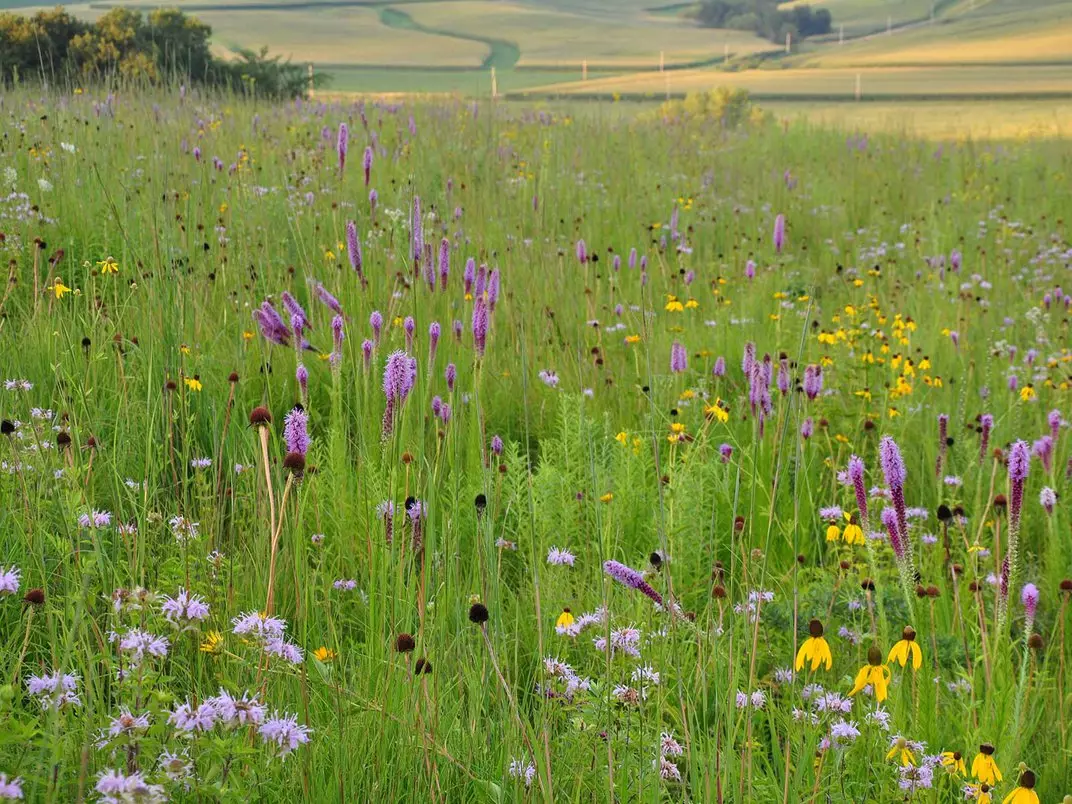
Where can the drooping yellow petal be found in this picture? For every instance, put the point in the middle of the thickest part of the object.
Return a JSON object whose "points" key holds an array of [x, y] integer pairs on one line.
{"points": [[832, 533], [803, 653], [917, 655], [1021, 795], [880, 683], [899, 653], [861, 680]]}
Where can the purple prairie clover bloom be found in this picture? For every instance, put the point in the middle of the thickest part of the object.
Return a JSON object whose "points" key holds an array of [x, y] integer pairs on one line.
{"points": [[376, 322], [301, 374], [496, 445], [750, 269], [367, 164], [434, 331], [986, 424], [480, 326], [893, 469], [284, 733], [813, 381], [343, 145], [725, 452], [451, 376], [416, 233], [444, 262], [779, 233], [679, 359], [616, 263], [410, 327], [296, 431], [1043, 450], [1047, 499], [628, 576], [353, 249], [197, 154], [1019, 465], [719, 369], [493, 289], [366, 352], [469, 276], [582, 252]]}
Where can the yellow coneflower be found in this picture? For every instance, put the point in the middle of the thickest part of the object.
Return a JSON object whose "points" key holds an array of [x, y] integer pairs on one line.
{"points": [[193, 383], [902, 751], [833, 533], [815, 648], [1025, 790], [108, 266], [1027, 393], [59, 288], [632, 339], [607, 497], [853, 533], [565, 619], [213, 642], [953, 762], [622, 438], [324, 654], [984, 768], [907, 648], [874, 673]]}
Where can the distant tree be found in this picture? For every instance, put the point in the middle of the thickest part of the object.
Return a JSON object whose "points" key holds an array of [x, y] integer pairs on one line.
{"points": [[764, 17]]}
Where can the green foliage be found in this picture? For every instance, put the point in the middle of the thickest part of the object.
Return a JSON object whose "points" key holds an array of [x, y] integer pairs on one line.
{"points": [[765, 18], [124, 45], [728, 107]]}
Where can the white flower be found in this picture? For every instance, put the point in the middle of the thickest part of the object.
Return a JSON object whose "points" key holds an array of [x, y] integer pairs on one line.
{"points": [[45, 185]]}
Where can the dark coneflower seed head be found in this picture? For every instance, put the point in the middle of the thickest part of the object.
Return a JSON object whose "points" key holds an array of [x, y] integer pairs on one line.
{"points": [[481, 502], [656, 559], [987, 749], [932, 591], [7, 427], [867, 585], [921, 590], [91, 442], [908, 634], [1035, 642], [738, 524], [478, 613], [86, 343], [718, 592], [1000, 502], [944, 513], [1066, 585], [874, 656], [34, 597], [422, 666], [294, 462], [815, 628], [232, 377], [407, 458], [63, 439], [260, 416], [170, 385], [1027, 779], [404, 643], [844, 565]]}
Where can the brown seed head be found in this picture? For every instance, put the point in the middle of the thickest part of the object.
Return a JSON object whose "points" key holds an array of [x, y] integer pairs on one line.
{"points": [[404, 643], [260, 417], [815, 628], [874, 656], [34, 597]]}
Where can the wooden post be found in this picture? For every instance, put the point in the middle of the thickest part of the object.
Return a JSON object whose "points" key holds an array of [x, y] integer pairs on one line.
{"points": [[494, 84], [584, 70], [788, 41], [311, 78]]}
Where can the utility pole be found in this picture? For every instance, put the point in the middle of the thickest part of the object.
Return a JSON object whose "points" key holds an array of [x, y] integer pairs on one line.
{"points": [[788, 41], [584, 70], [494, 84]]}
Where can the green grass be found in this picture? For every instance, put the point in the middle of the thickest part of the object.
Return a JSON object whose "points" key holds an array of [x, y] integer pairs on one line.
{"points": [[348, 79], [622, 457]]}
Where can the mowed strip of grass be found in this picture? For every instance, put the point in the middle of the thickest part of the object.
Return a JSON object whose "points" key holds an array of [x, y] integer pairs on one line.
{"points": [[550, 37], [899, 82]]}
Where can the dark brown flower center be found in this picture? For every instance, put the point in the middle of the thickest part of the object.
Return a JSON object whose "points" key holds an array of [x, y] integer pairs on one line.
{"points": [[815, 628]]}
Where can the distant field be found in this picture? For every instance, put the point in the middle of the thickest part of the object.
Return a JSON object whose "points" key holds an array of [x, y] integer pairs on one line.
{"points": [[903, 82], [553, 38], [477, 83]]}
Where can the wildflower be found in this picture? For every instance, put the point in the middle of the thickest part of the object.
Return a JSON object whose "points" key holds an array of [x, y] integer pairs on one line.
{"points": [[127, 723], [779, 233], [10, 789], [631, 578], [843, 733], [518, 769], [212, 643], [285, 732], [244, 711], [1029, 596], [116, 788], [978, 792], [679, 360], [606, 498], [1024, 793], [54, 691], [668, 771], [984, 768], [564, 622], [59, 288], [184, 608], [853, 533], [138, 643], [9, 580], [815, 648], [193, 383], [913, 778], [905, 649], [668, 746], [175, 766], [953, 762], [108, 266], [259, 626], [558, 557], [880, 717], [1048, 499], [875, 674], [902, 750], [188, 719]]}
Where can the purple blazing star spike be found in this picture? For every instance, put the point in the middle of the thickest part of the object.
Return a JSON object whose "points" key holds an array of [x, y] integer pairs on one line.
{"points": [[327, 299], [1054, 420], [457, 327], [301, 374], [1003, 583], [750, 269], [748, 359], [631, 578], [1029, 596], [493, 290], [783, 376], [813, 381], [889, 520], [416, 233], [373, 197], [433, 341], [856, 476], [444, 262], [582, 252], [469, 276], [616, 263], [496, 445], [1048, 499], [806, 429], [943, 435], [986, 424], [366, 352], [337, 335], [437, 403], [1019, 466], [725, 452], [295, 310], [679, 359], [955, 260], [779, 233], [271, 325], [410, 326], [893, 469], [481, 281], [719, 369], [451, 376], [632, 258], [1043, 450], [399, 375], [343, 145], [386, 511], [296, 431], [353, 250], [429, 268], [376, 322], [367, 164], [480, 326]]}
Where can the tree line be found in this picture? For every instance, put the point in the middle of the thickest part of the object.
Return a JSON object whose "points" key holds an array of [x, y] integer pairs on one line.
{"points": [[765, 18], [165, 46]]}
